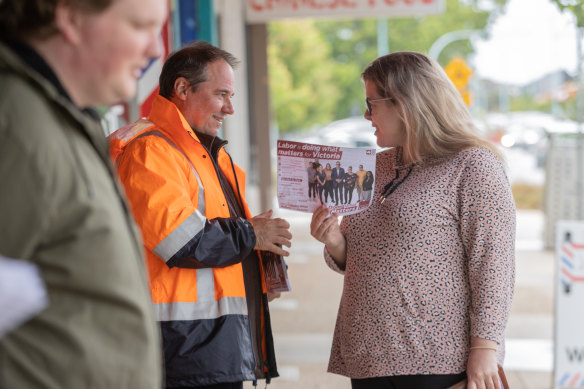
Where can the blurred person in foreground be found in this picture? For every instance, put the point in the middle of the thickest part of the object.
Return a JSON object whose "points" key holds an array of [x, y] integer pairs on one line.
{"points": [[201, 242], [429, 266], [60, 206]]}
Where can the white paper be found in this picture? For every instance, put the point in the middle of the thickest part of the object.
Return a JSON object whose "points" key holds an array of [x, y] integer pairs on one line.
{"points": [[22, 293], [294, 159]]}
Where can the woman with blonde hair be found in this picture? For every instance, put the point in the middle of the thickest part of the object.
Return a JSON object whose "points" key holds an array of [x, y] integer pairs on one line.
{"points": [[429, 267]]}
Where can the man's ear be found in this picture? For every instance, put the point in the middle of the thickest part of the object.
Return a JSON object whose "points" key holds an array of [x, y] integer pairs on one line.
{"points": [[181, 87], [69, 20]]}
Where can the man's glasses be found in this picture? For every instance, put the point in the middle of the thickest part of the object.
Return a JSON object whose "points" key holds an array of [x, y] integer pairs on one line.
{"points": [[368, 103]]}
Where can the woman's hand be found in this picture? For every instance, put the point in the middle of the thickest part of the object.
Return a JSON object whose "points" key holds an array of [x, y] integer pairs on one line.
{"points": [[325, 228], [481, 370]]}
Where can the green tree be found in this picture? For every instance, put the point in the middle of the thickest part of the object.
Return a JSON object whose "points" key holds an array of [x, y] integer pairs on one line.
{"points": [[576, 7], [304, 56], [302, 85]]}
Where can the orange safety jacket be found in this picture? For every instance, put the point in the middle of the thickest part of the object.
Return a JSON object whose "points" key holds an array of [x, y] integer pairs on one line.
{"points": [[194, 249]]}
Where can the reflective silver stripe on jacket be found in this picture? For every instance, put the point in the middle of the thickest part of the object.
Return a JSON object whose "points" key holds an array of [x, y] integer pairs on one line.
{"points": [[201, 310], [180, 236], [192, 225], [206, 307]]}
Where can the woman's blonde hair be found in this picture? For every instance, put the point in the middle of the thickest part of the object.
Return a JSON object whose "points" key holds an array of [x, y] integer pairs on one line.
{"points": [[436, 120]]}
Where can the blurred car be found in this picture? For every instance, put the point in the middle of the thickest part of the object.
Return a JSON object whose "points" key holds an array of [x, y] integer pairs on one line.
{"points": [[351, 132]]}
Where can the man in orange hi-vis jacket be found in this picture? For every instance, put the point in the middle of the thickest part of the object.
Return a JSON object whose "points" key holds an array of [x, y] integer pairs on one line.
{"points": [[202, 244]]}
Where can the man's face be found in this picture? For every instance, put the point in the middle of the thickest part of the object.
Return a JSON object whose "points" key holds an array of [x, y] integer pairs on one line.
{"points": [[206, 108], [113, 47], [338, 165]]}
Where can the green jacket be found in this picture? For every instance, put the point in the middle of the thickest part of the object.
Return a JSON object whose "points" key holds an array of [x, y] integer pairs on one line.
{"points": [[61, 208]]}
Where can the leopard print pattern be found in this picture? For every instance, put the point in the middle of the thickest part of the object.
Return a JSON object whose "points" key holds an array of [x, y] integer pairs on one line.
{"points": [[427, 269]]}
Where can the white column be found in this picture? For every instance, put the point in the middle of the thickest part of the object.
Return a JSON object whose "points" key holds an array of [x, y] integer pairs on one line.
{"points": [[231, 26]]}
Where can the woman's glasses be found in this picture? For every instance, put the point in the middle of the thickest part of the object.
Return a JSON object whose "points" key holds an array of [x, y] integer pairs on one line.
{"points": [[368, 102]]}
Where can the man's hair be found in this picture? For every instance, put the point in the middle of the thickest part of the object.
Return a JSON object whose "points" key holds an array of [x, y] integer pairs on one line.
{"points": [[437, 123], [191, 63], [36, 18]]}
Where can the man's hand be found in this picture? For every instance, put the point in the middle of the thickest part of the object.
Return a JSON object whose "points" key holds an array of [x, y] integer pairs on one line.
{"points": [[271, 234]]}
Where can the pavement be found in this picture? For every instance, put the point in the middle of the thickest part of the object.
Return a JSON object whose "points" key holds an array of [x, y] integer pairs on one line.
{"points": [[303, 319]]}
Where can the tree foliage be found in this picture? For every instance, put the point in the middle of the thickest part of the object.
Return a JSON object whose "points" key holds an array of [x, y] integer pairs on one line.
{"points": [[302, 84], [576, 7], [314, 66]]}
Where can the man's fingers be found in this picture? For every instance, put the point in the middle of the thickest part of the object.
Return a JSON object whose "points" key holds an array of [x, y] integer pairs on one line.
{"points": [[272, 232], [265, 215], [282, 231], [277, 250], [280, 240], [285, 242]]}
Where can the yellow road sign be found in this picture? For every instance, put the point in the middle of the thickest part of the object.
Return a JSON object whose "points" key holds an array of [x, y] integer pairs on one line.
{"points": [[459, 72]]}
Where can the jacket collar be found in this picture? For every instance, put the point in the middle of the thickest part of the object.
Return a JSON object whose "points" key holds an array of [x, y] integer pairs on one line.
{"points": [[165, 114], [87, 120], [35, 62], [29, 56]]}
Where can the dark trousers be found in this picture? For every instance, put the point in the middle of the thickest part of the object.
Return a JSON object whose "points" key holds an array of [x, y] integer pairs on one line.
{"points": [[328, 190], [227, 385], [435, 381], [348, 194], [312, 189], [339, 193]]}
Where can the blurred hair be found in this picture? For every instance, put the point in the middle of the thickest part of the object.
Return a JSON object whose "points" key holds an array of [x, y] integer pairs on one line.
{"points": [[436, 120], [36, 18], [191, 63]]}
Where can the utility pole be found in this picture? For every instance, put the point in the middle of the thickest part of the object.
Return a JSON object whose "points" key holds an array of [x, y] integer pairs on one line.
{"points": [[382, 37], [580, 136]]}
